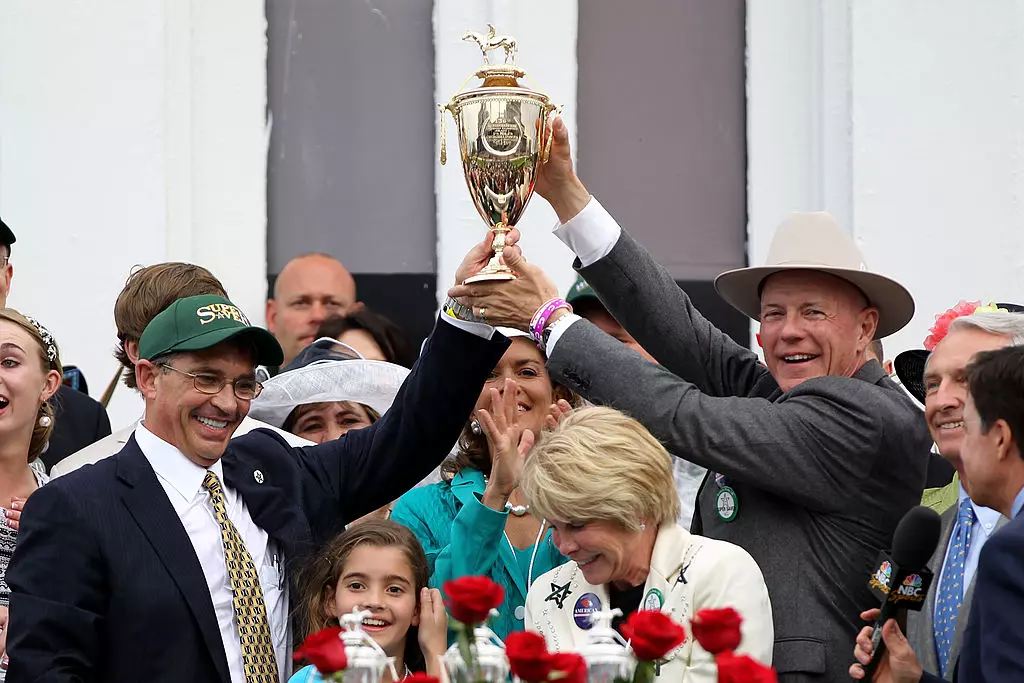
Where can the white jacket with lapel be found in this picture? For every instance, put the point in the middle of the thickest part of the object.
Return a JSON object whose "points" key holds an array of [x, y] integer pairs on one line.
{"points": [[688, 573]]}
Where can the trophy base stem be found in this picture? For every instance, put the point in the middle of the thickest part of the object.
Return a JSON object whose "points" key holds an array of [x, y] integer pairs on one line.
{"points": [[485, 276]]}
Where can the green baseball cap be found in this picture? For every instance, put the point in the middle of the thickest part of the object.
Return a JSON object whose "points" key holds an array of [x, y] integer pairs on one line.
{"points": [[580, 289], [200, 322]]}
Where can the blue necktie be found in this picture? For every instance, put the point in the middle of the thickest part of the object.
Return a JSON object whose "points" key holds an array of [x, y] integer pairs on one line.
{"points": [[951, 592]]}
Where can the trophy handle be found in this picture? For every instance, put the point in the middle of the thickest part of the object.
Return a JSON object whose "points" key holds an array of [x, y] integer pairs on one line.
{"points": [[551, 109], [444, 130]]}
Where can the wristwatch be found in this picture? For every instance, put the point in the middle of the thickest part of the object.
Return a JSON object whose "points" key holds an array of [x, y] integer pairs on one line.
{"points": [[456, 309]]}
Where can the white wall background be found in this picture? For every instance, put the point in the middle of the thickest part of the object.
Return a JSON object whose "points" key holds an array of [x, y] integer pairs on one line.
{"points": [[131, 132], [905, 119], [545, 32], [135, 132]]}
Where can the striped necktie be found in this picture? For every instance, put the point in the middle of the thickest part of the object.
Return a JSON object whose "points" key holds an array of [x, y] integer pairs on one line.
{"points": [[951, 592], [258, 660]]}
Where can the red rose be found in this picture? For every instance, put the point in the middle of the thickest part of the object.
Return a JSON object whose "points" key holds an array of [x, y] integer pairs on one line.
{"points": [[568, 667], [717, 630], [470, 599], [324, 650], [420, 677], [652, 634], [528, 656], [733, 668]]}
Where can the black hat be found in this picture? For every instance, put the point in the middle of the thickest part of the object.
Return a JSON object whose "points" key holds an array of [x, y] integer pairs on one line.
{"points": [[909, 365], [6, 236]]}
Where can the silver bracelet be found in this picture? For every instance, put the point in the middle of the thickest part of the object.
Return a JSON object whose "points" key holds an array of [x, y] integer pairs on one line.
{"points": [[456, 309]]}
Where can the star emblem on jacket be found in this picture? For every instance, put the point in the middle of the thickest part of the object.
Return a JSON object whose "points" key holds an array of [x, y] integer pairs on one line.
{"points": [[558, 594]]}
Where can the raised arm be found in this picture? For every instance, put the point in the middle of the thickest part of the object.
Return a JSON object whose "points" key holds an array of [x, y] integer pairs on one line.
{"points": [[370, 467], [646, 300], [57, 600], [806, 448]]}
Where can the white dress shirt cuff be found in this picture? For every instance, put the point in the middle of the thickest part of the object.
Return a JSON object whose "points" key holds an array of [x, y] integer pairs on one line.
{"points": [[558, 328], [590, 234], [482, 330]]}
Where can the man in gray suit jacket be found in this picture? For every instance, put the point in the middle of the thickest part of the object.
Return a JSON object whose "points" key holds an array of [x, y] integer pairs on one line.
{"points": [[936, 633], [813, 459]]}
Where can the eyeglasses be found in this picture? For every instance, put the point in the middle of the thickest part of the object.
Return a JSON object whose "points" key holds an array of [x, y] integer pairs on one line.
{"points": [[245, 388]]}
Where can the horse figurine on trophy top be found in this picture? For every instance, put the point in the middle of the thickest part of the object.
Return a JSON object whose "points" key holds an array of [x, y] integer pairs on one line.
{"points": [[491, 41], [504, 132]]}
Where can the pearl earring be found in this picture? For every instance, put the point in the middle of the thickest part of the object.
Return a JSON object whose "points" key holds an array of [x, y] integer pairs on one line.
{"points": [[643, 526], [45, 421], [474, 427]]}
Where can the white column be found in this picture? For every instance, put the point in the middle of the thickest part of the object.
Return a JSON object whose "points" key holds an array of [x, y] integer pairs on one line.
{"points": [[939, 150], [905, 120], [546, 35], [130, 133], [798, 114]]}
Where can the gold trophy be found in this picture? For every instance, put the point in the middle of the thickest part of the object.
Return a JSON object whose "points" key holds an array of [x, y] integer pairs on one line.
{"points": [[504, 132]]}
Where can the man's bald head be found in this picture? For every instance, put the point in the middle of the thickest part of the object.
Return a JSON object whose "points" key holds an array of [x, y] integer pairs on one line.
{"points": [[309, 289]]}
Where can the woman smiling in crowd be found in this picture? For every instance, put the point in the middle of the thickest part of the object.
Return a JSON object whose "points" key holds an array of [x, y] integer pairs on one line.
{"points": [[475, 521], [606, 486], [30, 373]]}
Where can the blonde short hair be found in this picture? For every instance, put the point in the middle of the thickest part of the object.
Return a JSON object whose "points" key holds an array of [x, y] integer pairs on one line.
{"points": [[600, 464]]}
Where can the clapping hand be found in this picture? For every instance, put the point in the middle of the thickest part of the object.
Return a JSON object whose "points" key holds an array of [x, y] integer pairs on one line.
{"points": [[13, 513], [433, 629], [508, 442], [558, 411]]}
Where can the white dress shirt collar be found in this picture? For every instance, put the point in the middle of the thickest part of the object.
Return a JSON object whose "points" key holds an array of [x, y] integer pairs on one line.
{"points": [[987, 517], [173, 466]]}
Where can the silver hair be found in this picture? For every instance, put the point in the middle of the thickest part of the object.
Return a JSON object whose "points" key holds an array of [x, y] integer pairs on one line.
{"points": [[1006, 324]]}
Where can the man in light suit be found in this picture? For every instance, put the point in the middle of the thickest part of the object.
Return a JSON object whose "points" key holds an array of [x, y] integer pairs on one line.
{"points": [[173, 560], [936, 631], [993, 467], [814, 456]]}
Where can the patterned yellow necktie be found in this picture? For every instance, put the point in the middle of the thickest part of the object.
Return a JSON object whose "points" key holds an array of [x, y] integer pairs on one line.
{"points": [[258, 660]]}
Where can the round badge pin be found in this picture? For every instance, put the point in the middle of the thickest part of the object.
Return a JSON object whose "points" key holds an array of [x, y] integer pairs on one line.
{"points": [[653, 600], [586, 604], [258, 476], [727, 504]]}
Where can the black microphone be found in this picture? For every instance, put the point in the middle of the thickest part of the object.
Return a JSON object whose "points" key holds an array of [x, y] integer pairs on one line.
{"points": [[902, 579]]}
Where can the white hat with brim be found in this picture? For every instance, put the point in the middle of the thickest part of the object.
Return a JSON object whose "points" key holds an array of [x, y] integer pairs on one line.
{"points": [[815, 241], [373, 383]]}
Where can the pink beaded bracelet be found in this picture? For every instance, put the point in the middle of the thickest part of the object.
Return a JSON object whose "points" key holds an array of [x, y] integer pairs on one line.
{"points": [[540, 318]]}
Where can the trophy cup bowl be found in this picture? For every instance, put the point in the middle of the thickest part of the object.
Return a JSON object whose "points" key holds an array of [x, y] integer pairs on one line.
{"points": [[504, 133]]}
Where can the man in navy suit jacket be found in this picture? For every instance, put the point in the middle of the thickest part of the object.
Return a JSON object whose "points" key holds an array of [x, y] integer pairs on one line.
{"points": [[119, 575], [993, 461]]}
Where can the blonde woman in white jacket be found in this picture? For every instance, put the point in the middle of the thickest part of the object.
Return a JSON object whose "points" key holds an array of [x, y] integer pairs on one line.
{"points": [[605, 485]]}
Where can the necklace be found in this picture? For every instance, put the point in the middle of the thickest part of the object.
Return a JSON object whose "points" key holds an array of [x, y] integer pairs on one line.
{"points": [[517, 510]]}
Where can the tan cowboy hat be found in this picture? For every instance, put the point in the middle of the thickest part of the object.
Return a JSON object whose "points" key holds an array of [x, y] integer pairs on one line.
{"points": [[815, 241]]}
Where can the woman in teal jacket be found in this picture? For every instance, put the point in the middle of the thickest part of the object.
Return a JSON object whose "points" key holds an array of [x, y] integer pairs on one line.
{"points": [[474, 521]]}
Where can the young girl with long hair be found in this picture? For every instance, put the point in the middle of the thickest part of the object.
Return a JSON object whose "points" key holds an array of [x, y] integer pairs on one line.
{"points": [[378, 565]]}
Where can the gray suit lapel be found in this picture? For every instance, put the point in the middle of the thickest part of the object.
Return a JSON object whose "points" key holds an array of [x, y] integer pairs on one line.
{"points": [[923, 640]]}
